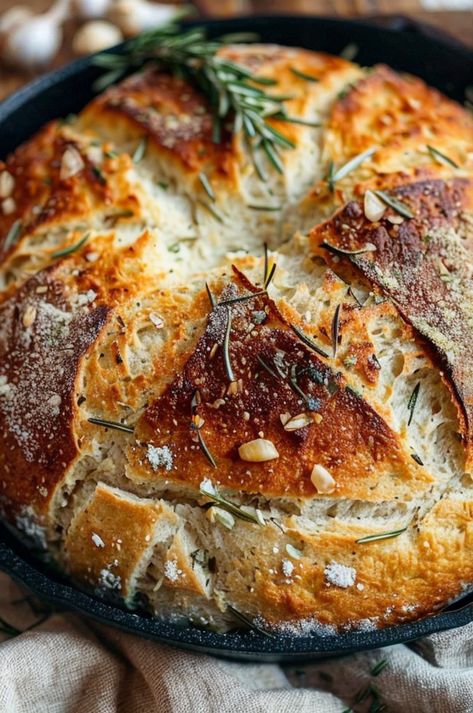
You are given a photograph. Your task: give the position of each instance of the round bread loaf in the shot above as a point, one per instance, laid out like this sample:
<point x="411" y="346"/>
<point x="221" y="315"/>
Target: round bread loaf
<point x="194" y="425"/>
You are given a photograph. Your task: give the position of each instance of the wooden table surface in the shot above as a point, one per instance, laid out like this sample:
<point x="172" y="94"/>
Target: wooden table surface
<point x="458" y="23"/>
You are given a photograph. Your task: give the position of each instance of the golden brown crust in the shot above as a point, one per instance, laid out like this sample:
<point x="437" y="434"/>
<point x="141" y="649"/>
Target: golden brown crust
<point x="423" y="269"/>
<point x="120" y="329"/>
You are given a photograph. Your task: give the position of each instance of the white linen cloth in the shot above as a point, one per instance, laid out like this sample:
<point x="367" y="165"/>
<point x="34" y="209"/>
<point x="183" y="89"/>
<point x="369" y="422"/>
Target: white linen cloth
<point x="66" y="664"/>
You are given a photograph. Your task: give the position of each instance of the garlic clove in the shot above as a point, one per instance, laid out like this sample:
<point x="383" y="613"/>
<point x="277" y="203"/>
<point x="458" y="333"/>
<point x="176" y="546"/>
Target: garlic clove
<point x="374" y="208"/>
<point x="71" y="163"/>
<point x="258" y="451"/>
<point x="14" y="17"/>
<point x="322" y="480"/>
<point x="90" y="9"/>
<point x="95" y="36"/>
<point x="135" y="16"/>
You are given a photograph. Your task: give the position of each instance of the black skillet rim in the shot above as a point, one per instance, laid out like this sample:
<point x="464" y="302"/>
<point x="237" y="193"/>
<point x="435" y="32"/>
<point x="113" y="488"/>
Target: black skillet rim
<point x="15" y="560"/>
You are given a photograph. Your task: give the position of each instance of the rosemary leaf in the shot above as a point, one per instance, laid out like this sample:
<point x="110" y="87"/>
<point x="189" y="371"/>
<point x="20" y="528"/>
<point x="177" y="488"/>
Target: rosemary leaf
<point x="381" y="536"/>
<point x="211" y="210"/>
<point x="307" y="341"/>
<point x="212" y="300"/>
<point x="207" y="186"/>
<point x="412" y="402"/>
<point x="417" y="458"/>
<point x="270" y="276"/>
<point x="264" y="207"/>
<point x="367" y="248"/>
<point x="266" y="366"/>
<point x="302" y="75"/>
<point x="71" y="249"/>
<point x="380" y="666"/>
<point x="13" y="235"/>
<point x="243" y="298"/>
<point x="249" y="622"/>
<point x="393" y="203"/>
<point x="204" y="449"/>
<point x="441" y="157"/>
<point x="230" y="507"/>
<point x="226" y="348"/>
<point x="351" y="165"/>
<point x="335" y="330"/>
<point x="111" y="424"/>
<point x="140" y="150"/>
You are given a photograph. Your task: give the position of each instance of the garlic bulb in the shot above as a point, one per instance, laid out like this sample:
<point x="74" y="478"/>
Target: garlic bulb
<point x="14" y="17"/>
<point x="95" y="36"/>
<point x="34" y="40"/>
<point x="90" y="9"/>
<point x="134" y="16"/>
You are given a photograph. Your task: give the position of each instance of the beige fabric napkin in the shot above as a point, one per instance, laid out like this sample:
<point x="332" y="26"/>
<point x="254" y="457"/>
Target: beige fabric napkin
<point x="69" y="665"/>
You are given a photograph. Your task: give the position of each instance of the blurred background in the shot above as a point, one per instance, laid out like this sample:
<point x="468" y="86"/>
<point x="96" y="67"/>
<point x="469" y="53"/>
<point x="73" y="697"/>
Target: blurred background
<point x="40" y="35"/>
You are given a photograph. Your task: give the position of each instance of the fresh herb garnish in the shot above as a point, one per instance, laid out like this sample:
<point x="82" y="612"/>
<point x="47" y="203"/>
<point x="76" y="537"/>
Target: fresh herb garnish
<point x="335" y="330"/>
<point x="226" y="348"/>
<point x="13" y="235"/>
<point x="303" y="75"/>
<point x="232" y="90"/>
<point x="207" y="186"/>
<point x="212" y="299"/>
<point x="99" y="175"/>
<point x="243" y="298"/>
<point x="196" y="400"/>
<point x="140" y="150"/>
<point x="229" y="506"/>
<point x="115" y="425"/>
<point x="270" y="276"/>
<point x="209" y="207"/>
<point x="381" y="536"/>
<point x="393" y="203"/>
<point x="367" y="248"/>
<point x="348" y="167"/>
<point x="264" y="207"/>
<point x="441" y="157"/>
<point x="417" y="458"/>
<point x="412" y="402"/>
<point x="249" y="622"/>
<point x="71" y="249"/>
<point x="266" y="366"/>
<point x="308" y="341"/>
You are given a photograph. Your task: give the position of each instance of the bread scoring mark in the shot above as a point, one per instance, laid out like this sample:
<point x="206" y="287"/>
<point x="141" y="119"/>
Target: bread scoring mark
<point x="344" y="434"/>
<point x="38" y="366"/>
<point x="422" y="264"/>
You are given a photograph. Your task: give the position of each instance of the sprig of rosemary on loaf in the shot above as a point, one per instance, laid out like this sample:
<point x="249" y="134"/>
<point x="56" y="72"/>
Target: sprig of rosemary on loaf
<point x="234" y="93"/>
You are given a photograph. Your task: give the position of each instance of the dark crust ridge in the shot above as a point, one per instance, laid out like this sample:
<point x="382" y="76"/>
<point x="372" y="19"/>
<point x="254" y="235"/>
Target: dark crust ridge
<point x="39" y="364"/>
<point x="422" y="264"/>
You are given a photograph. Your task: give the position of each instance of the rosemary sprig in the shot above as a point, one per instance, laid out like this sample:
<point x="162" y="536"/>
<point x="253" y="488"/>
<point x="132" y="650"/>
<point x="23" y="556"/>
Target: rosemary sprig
<point x="72" y="248"/>
<point x="249" y="622"/>
<point x="267" y="367"/>
<point x="380" y="666"/>
<point x="196" y="400"/>
<point x="206" y="185"/>
<point x="348" y="167"/>
<point x="412" y="402"/>
<point x="226" y="348"/>
<point x="232" y="90"/>
<point x="229" y="506"/>
<point x="441" y="157"/>
<point x="210" y="209"/>
<point x="140" y="150"/>
<point x="111" y="424"/>
<point x="381" y="536"/>
<point x="417" y="459"/>
<point x="335" y="330"/>
<point x="393" y="203"/>
<point x="367" y="248"/>
<point x="270" y="276"/>
<point x="307" y="341"/>
<point x="13" y="235"/>
<point x="303" y="75"/>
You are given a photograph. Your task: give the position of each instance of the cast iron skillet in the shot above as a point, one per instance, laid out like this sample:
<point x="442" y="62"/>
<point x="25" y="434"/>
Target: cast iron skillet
<point x="400" y="43"/>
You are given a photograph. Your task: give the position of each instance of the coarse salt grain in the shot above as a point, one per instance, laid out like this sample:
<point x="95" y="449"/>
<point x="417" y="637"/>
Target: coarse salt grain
<point x="160" y="457"/>
<point x="97" y="540"/>
<point x="340" y="575"/>
<point x="171" y="570"/>
<point x="287" y="568"/>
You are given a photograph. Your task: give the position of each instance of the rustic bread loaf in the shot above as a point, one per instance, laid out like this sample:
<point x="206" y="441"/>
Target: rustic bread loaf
<point x="301" y="456"/>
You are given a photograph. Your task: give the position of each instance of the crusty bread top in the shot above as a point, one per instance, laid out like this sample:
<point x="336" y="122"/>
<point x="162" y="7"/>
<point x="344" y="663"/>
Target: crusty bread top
<point x="353" y="366"/>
